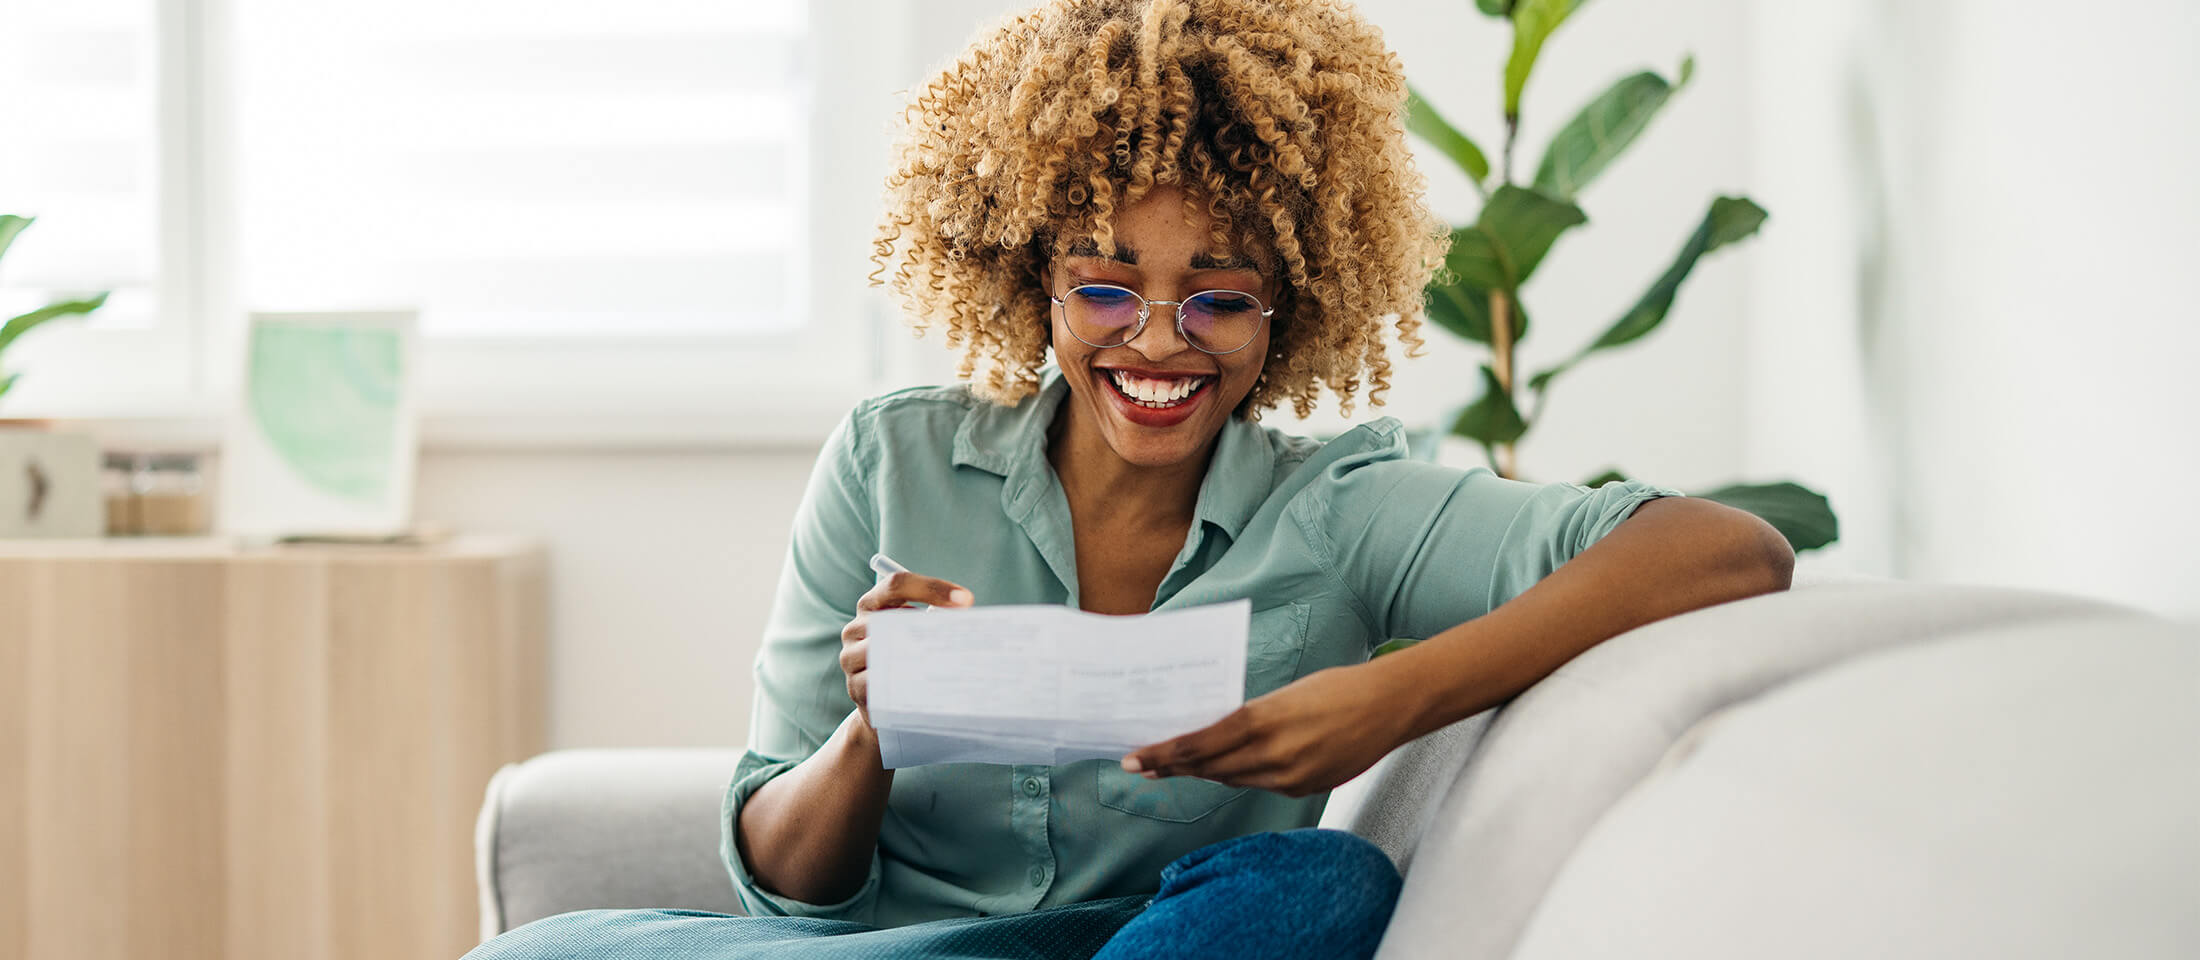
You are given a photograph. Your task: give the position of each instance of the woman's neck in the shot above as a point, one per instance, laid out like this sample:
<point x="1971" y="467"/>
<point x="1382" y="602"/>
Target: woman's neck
<point x="1105" y="490"/>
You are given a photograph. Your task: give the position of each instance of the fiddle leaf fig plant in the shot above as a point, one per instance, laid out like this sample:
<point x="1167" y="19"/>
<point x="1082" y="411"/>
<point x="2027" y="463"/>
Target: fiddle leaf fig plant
<point x="1477" y="296"/>
<point x="16" y="326"/>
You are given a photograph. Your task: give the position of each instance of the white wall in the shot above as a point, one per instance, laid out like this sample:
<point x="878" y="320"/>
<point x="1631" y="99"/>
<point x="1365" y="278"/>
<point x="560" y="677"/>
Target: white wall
<point x="1982" y="335"/>
<point x="662" y="568"/>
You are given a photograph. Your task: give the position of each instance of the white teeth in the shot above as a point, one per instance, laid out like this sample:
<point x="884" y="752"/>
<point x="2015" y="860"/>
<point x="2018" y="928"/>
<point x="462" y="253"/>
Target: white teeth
<point x="1157" y="393"/>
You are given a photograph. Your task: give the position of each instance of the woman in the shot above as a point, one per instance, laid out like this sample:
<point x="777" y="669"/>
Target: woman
<point x="1201" y="210"/>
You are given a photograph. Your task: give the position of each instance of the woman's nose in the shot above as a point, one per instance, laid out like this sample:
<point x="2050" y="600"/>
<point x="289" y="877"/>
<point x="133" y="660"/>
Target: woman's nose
<point x="1159" y="339"/>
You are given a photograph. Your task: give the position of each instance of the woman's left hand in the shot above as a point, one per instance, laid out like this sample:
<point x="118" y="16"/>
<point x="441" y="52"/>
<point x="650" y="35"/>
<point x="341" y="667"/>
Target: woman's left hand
<point x="1307" y="737"/>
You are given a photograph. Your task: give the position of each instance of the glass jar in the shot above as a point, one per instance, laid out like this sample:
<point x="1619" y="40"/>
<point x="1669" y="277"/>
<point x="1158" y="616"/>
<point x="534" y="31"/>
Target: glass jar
<point x="171" y="499"/>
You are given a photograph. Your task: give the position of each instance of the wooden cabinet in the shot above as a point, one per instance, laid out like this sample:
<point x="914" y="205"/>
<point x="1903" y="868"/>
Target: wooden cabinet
<point x="216" y="752"/>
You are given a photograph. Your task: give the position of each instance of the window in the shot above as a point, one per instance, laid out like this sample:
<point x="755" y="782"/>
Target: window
<point x="598" y="208"/>
<point x="81" y="120"/>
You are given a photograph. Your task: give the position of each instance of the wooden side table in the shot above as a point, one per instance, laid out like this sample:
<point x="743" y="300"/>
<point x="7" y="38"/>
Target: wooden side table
<point x="231" y="753"/>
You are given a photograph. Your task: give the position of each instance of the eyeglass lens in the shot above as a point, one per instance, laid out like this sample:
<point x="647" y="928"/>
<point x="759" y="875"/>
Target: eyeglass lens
<point x="1214" y="320"/>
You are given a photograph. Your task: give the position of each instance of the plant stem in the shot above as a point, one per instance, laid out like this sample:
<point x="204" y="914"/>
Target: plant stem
<point x="1512" y="127"/>
<point x="1501" y="333"/>
<point x="1501" y="355"/>
<point x="1501" y="339"/>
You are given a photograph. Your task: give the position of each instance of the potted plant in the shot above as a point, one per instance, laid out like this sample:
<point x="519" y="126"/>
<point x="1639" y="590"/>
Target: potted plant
<point x="49" y="482"/>
<point x="1477" y="296"/>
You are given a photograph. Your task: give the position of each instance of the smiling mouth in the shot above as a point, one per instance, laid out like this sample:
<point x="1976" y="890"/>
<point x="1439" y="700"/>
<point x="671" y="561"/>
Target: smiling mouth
<point x="1157" y="394"/>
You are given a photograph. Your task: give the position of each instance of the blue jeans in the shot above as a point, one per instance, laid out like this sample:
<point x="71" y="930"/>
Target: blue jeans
<point x="1297" y="893"/>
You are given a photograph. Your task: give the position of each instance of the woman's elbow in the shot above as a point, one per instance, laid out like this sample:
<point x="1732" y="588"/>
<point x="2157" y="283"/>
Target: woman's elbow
<point x="1734" y="553"/>
<point x="1761" y="558"/>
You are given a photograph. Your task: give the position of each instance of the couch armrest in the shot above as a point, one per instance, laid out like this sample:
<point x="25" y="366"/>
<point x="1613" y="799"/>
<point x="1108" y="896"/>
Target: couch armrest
<point x="581" y="829"/>
<point x="1561" y="754"/>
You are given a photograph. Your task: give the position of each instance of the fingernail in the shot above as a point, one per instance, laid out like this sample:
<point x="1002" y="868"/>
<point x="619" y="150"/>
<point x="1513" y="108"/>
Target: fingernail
<point x="1131" y="764"/>
<point x="959" y="595"/>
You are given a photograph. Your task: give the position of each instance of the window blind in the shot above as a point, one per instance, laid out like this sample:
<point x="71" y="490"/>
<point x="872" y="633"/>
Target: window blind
<point x="78" y="111"/>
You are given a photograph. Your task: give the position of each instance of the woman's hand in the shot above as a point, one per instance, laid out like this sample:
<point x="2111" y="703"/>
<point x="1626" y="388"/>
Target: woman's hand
<point x="1307" y="737"/>
<point x="899" y="590"/>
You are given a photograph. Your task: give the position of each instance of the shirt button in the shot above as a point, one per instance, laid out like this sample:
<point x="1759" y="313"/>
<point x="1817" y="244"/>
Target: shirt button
<point x="1031" y="789"/>
<point x="1038" y="876"/>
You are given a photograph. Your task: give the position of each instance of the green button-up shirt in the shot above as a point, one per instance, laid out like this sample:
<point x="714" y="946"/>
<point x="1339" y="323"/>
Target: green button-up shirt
<point x="1340" y="546"/>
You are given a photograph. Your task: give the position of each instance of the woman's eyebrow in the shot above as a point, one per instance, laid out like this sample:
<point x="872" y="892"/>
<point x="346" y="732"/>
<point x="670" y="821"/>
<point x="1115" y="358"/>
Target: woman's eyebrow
<point x="1201" y="261"/>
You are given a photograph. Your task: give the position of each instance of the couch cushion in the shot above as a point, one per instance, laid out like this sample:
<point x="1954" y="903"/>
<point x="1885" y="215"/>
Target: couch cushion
<point x="1559" y="755"/>
<point x="2015" y="793"/>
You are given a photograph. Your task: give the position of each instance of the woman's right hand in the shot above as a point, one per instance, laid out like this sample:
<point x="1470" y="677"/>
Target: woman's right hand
<point x="898" y="590"/>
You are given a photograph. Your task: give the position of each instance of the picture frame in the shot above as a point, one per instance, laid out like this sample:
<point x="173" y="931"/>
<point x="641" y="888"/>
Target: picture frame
<point x="324" y="439"/>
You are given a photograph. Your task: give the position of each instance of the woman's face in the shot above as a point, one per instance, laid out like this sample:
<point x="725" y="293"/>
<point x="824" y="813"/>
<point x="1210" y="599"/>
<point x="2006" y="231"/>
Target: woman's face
<point x="1129" y="392"/>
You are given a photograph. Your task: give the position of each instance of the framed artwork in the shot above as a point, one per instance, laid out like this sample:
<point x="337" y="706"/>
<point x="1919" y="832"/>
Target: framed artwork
<point x="325" y="438"/>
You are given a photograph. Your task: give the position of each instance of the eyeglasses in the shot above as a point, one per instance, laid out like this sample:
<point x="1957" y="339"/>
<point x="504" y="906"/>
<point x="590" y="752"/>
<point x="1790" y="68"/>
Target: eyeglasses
<point x="1213" y="321"/>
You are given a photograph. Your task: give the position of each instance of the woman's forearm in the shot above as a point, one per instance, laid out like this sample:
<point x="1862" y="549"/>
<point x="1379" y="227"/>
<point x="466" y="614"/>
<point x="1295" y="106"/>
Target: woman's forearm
<point x="809" y="833"/>
<point x="1671" y="556"/>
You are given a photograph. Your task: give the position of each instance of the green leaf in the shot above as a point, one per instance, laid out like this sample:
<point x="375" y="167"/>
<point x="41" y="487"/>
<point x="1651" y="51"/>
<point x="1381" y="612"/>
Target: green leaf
<point x="1495" y="8"/>
<point x="1491" y="419"/>
<point x="1608" y="476"/>
<point x="1801" y="514"/>
<point x="1602" y="131"/>
<point x="1393" y="646"/>
<point x="1474" y="259"/>
<point x="1524" y="223"/>
<point x="1461" y="309"/>
<point x="1506" y="243"/>
<point x="1533" y="21"/>
<point x="6" y="382"/>
<point x="22" y="324"/>
<point x="10" y="225"/>
<point x="1730" y="220"/>
<point x="1423" y="121"/>
<point x="1464" y="309"/>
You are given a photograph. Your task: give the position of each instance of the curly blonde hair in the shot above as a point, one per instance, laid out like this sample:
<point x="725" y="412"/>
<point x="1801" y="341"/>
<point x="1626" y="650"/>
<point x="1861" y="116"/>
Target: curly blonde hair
<point x="1280" y="121"/>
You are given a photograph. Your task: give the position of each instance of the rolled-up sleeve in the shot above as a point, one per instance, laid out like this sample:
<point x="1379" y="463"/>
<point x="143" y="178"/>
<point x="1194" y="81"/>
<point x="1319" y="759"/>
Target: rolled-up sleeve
<point x="1427" y="547"/>
<point x="801" y="693"/>
<point x="753" y="772"/>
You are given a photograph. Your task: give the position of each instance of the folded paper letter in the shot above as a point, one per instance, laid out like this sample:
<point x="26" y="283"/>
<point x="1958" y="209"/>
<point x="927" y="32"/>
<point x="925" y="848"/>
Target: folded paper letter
<point x="1048" y="684"/>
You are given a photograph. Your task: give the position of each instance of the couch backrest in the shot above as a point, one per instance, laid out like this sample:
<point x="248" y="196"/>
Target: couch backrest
<point x="2020" y="792"/>
<point x="1393" y="802"/>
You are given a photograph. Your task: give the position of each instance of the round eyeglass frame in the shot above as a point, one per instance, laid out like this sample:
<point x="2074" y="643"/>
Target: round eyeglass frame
<point x="1145" y="311"/>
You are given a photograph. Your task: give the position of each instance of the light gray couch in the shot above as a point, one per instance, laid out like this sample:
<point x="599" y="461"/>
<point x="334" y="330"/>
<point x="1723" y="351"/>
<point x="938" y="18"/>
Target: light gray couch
<point x="1845" y="770"/>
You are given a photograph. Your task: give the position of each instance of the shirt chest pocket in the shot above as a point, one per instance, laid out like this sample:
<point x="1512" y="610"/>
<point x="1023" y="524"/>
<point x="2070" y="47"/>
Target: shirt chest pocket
<point x="1276" y="641"/>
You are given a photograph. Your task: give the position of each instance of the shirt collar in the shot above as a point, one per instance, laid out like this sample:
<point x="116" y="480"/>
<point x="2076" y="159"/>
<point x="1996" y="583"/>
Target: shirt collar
<point x="1011" y="442"/>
